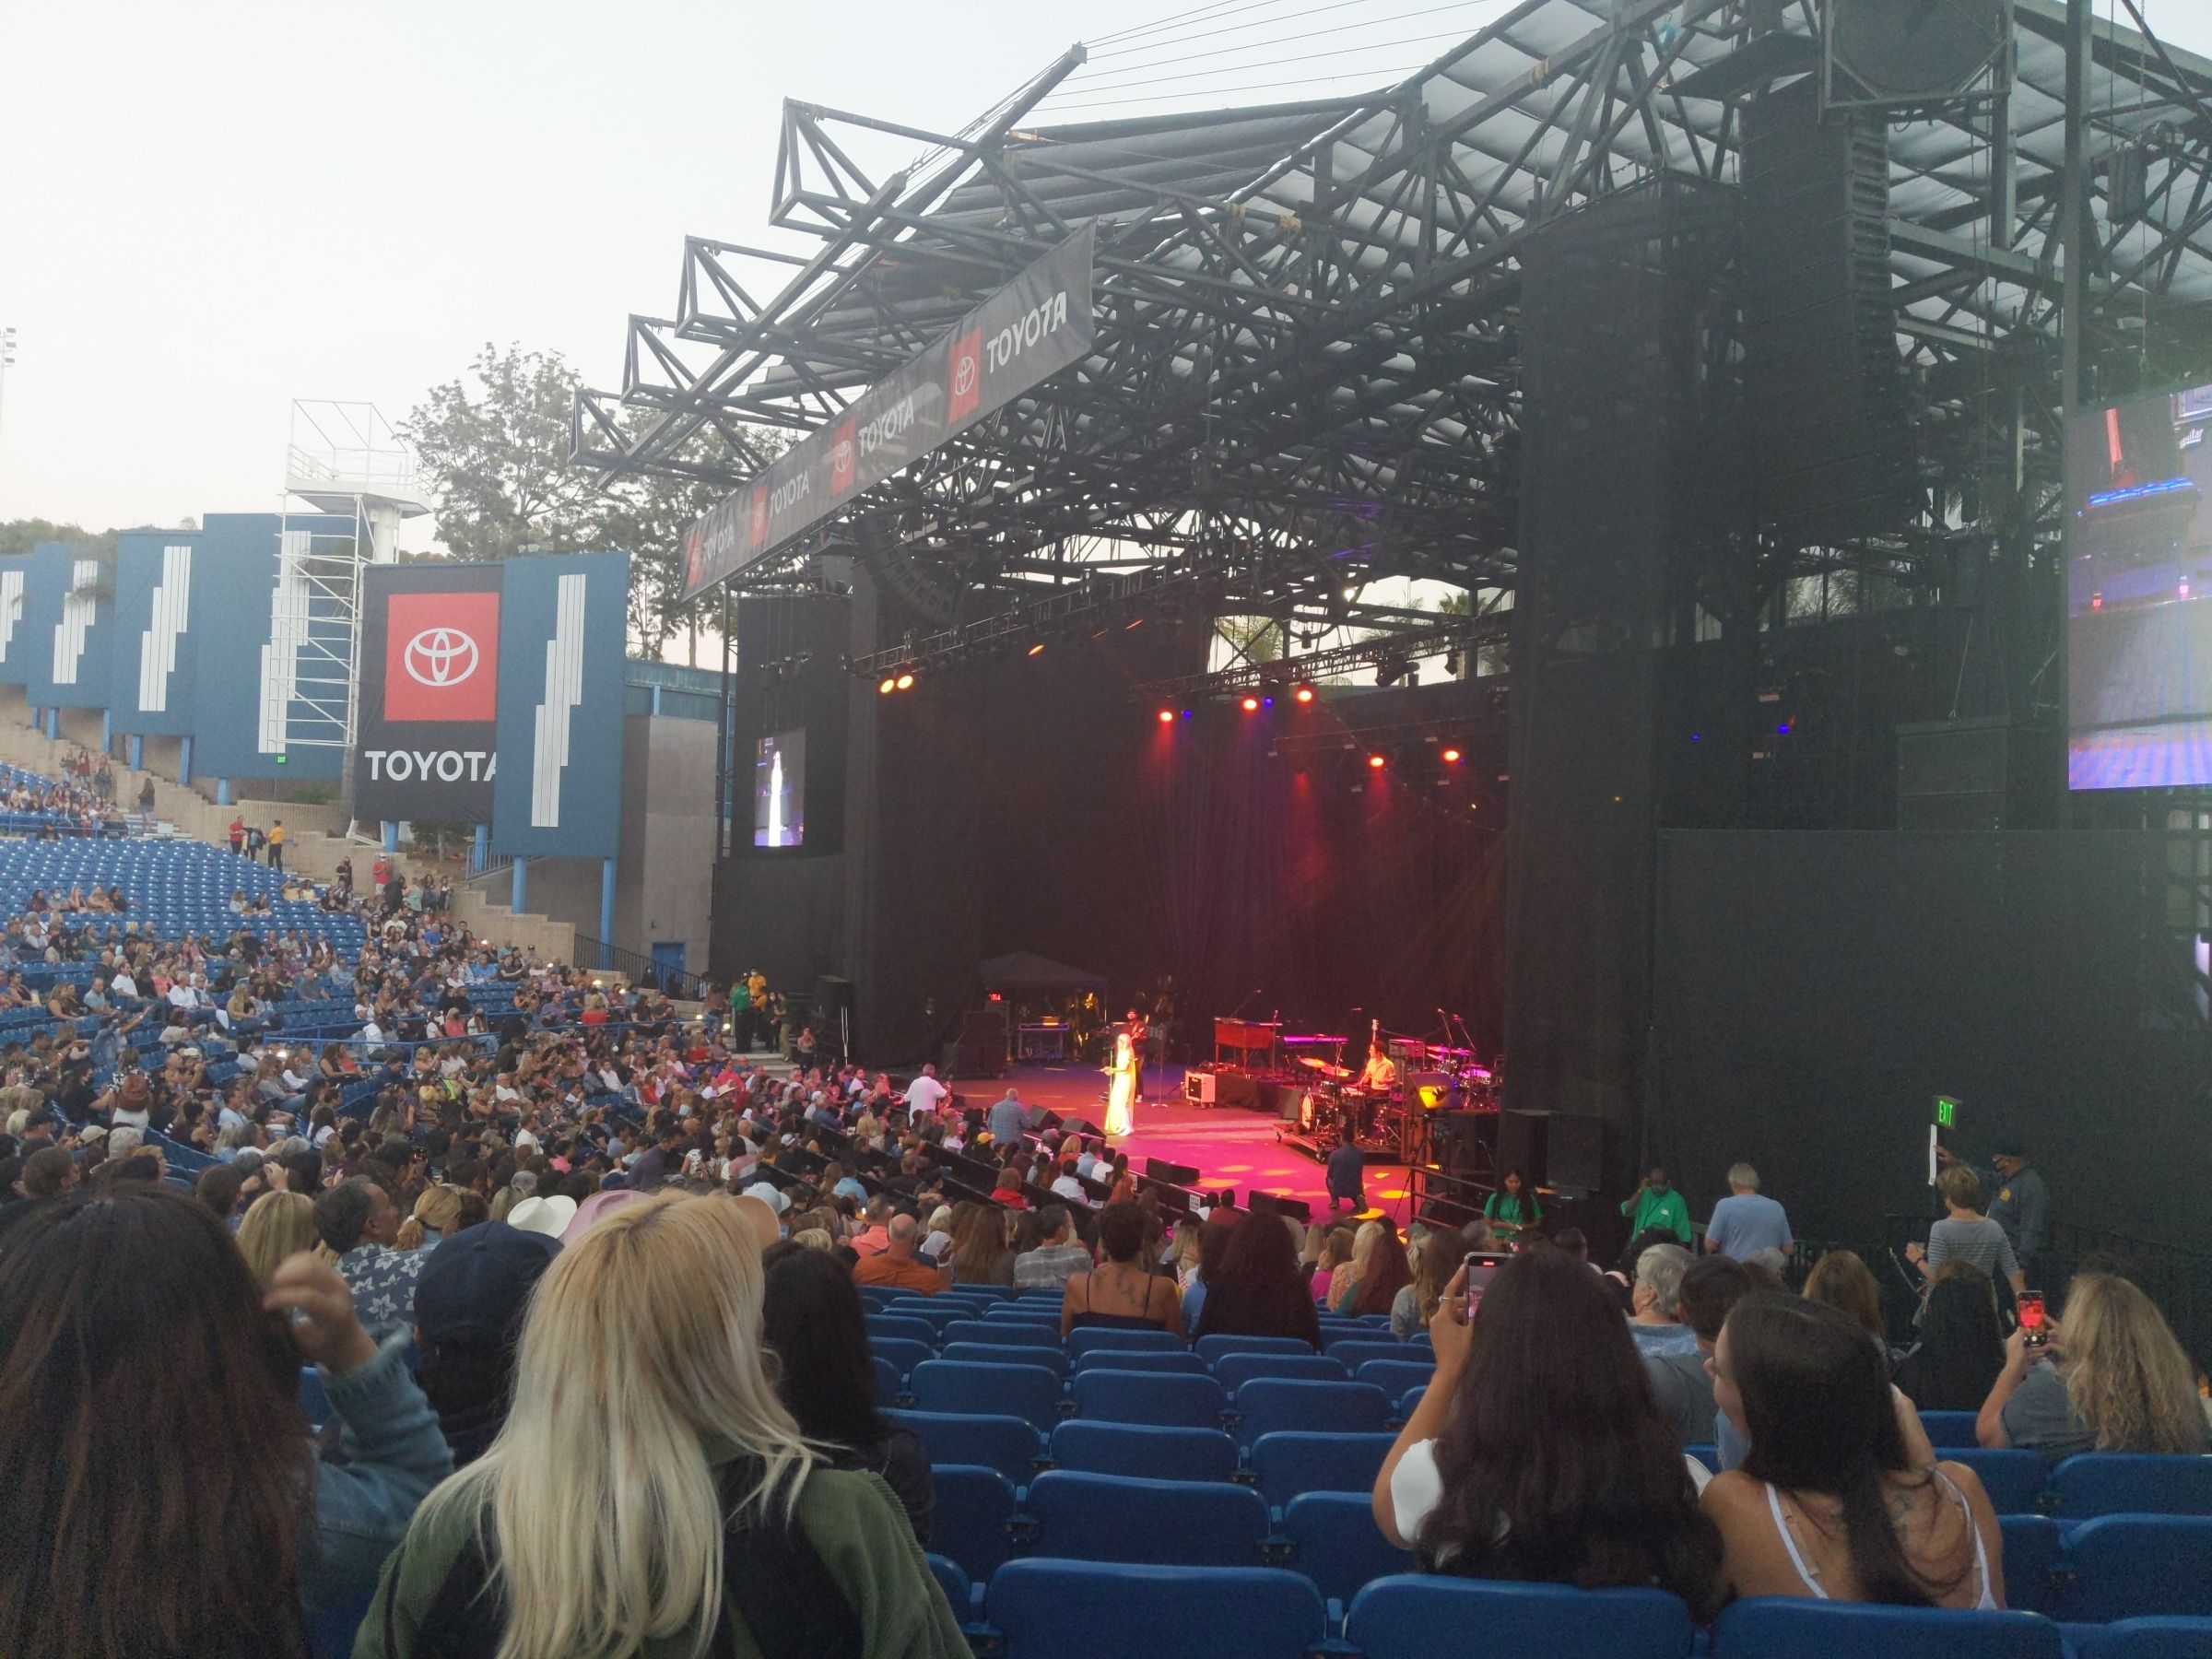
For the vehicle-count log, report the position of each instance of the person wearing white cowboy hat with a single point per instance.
(548, 1217)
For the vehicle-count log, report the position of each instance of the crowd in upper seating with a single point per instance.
(579, 1280)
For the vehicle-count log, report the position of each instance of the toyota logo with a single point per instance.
(439, 657)
(963, 376)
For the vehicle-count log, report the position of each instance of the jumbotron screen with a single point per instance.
(2139, 594)
(780, 791)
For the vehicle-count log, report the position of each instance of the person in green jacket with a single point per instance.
(1654, 1204)
(650, 1494)
(1512, 1208)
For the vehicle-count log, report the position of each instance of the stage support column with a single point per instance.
(480, 854)
(137, 753)
(606, 912)
(222, 791)
(184, 761)
(53, 725)
(107, 731)
(656, 699)
(390, 835)
(519, 899)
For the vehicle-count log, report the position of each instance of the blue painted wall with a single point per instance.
(14, 646)
(577, 813)
(235, 601)
(68, 625)
(160, 596)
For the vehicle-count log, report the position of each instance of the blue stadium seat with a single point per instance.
(2133, 1566)
(2115, 1483)
(1233, 1371)
(1292, 1462)
(999, 1353)
(973, 1517)
(2143, 1638)
(1001, 1332)
(938, 1317)
(1950, 1428)
(1356, 1351)
(1801, 1628)
(1025, 1391)
(1420, 1617)
(1040, 1312)
(904, 1352)
(911, 1330)
(1054, 1610)
(1088, 1341)
(1158, 1522)
(1211, 1349)
(2031, 1547)
(331, 1630)
(888, 1384)
(1006, 1444)
(1143, 1451)
(1394, 1377)
(1335, 1542)
(954, 1581)
(1183, 1362)
(1267, 1405)
(2012, 1478)
(1412, 1398)
(1170, 1402)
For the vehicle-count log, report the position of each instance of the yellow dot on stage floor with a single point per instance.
(1394, 1192)
(1235, 1169)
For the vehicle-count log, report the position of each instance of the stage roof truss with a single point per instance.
(1307, 312)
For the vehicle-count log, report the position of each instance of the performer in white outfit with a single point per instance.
(1121, 1093)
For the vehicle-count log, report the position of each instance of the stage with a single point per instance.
(1230, 1146)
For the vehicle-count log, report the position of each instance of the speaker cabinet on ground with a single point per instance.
(1565, 1150)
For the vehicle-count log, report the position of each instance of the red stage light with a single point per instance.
(1451, 756)
(1167, 717)
(1375, 760)
(1304, 694)
(1251, 705)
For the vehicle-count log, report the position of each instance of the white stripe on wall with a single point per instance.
(158, 644)
(288, 633)
(77, 606)
(11, 608)
(564, 690)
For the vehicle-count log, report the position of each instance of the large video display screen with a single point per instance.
(780, 791)
(2139, 593)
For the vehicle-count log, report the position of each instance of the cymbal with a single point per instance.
(1324, 1067)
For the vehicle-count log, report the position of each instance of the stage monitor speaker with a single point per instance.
(1825, 392)
(1199, 1087)
(1574, 1153)
(1075, 1125)
(1953, 775)
(1042, 1118)
(1175, 1175)
(1260, 1204)
(1909, 52)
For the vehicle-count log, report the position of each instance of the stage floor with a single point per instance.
(1230, 1146)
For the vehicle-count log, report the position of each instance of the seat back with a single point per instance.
(1212, 1348)
(998, 1353)
(887, 1383)
(1335, 1542)
(904, 1352)
(1420, 1617)
(1292, 1462)
(1950, 1428)
(1139, 1397)
(1394, 1377)
(970, 1522)
(2032, 1546)
(1183, 1364)
(1027, 1391)
(2133, 1483)
(1007, 1445)
(2136, 1566)
(2143, 1638)
(1141, 1450)
(903, 1327)
(1233, 1371)
(954, 1581)
(1268, 1404)
(1088, 1341)
(2012, 1478)
(1353, 1352)
(1804, 1628)
(1057, 1609)
(1163, 1523)
(1005, 1333)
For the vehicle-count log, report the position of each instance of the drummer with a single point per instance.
(1378, 1074)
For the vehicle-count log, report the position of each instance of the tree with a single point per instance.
(20, 535)
(494, 455)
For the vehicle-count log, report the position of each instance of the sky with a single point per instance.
(210, 210)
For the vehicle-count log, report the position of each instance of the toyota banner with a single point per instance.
(427, 730)
(1026, 332)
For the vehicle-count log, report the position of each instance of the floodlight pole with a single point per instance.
(2073, 207)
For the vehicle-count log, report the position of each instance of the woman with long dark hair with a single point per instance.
(1538, 1452)
(1258, 1291)
(1829, 1503)
(123, 1312)
(1962, 1348)
(814, 1322)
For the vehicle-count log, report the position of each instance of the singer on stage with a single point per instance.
(1121, 1093)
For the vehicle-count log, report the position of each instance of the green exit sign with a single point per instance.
(1947, 1112)
(281, 759)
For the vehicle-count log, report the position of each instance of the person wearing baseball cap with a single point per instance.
(469, 1313)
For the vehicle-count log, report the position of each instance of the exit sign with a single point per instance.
(1947, 1112)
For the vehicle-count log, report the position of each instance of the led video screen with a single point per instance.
(2138, 578)
(780, 791)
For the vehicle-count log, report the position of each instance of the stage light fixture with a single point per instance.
(1133, 622)
(1038, 649)
(905, 682)
(1451, 756)
(888, 685)
(1251, 705)
(1167, 717)
(1377, 761)
(1304, 694)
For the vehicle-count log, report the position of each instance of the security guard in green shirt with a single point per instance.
(1656, 1204)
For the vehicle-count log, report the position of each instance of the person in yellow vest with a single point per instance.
(276, 845)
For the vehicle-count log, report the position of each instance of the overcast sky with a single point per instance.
(207, 210)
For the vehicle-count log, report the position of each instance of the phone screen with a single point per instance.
(2031, 1316)
(1481, 1266)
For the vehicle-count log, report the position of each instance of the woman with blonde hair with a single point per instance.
(650, 1493)
(2112, 1379)
(278, 1225)
(437, 1213)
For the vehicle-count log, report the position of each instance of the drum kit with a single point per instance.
(1435, 1080)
